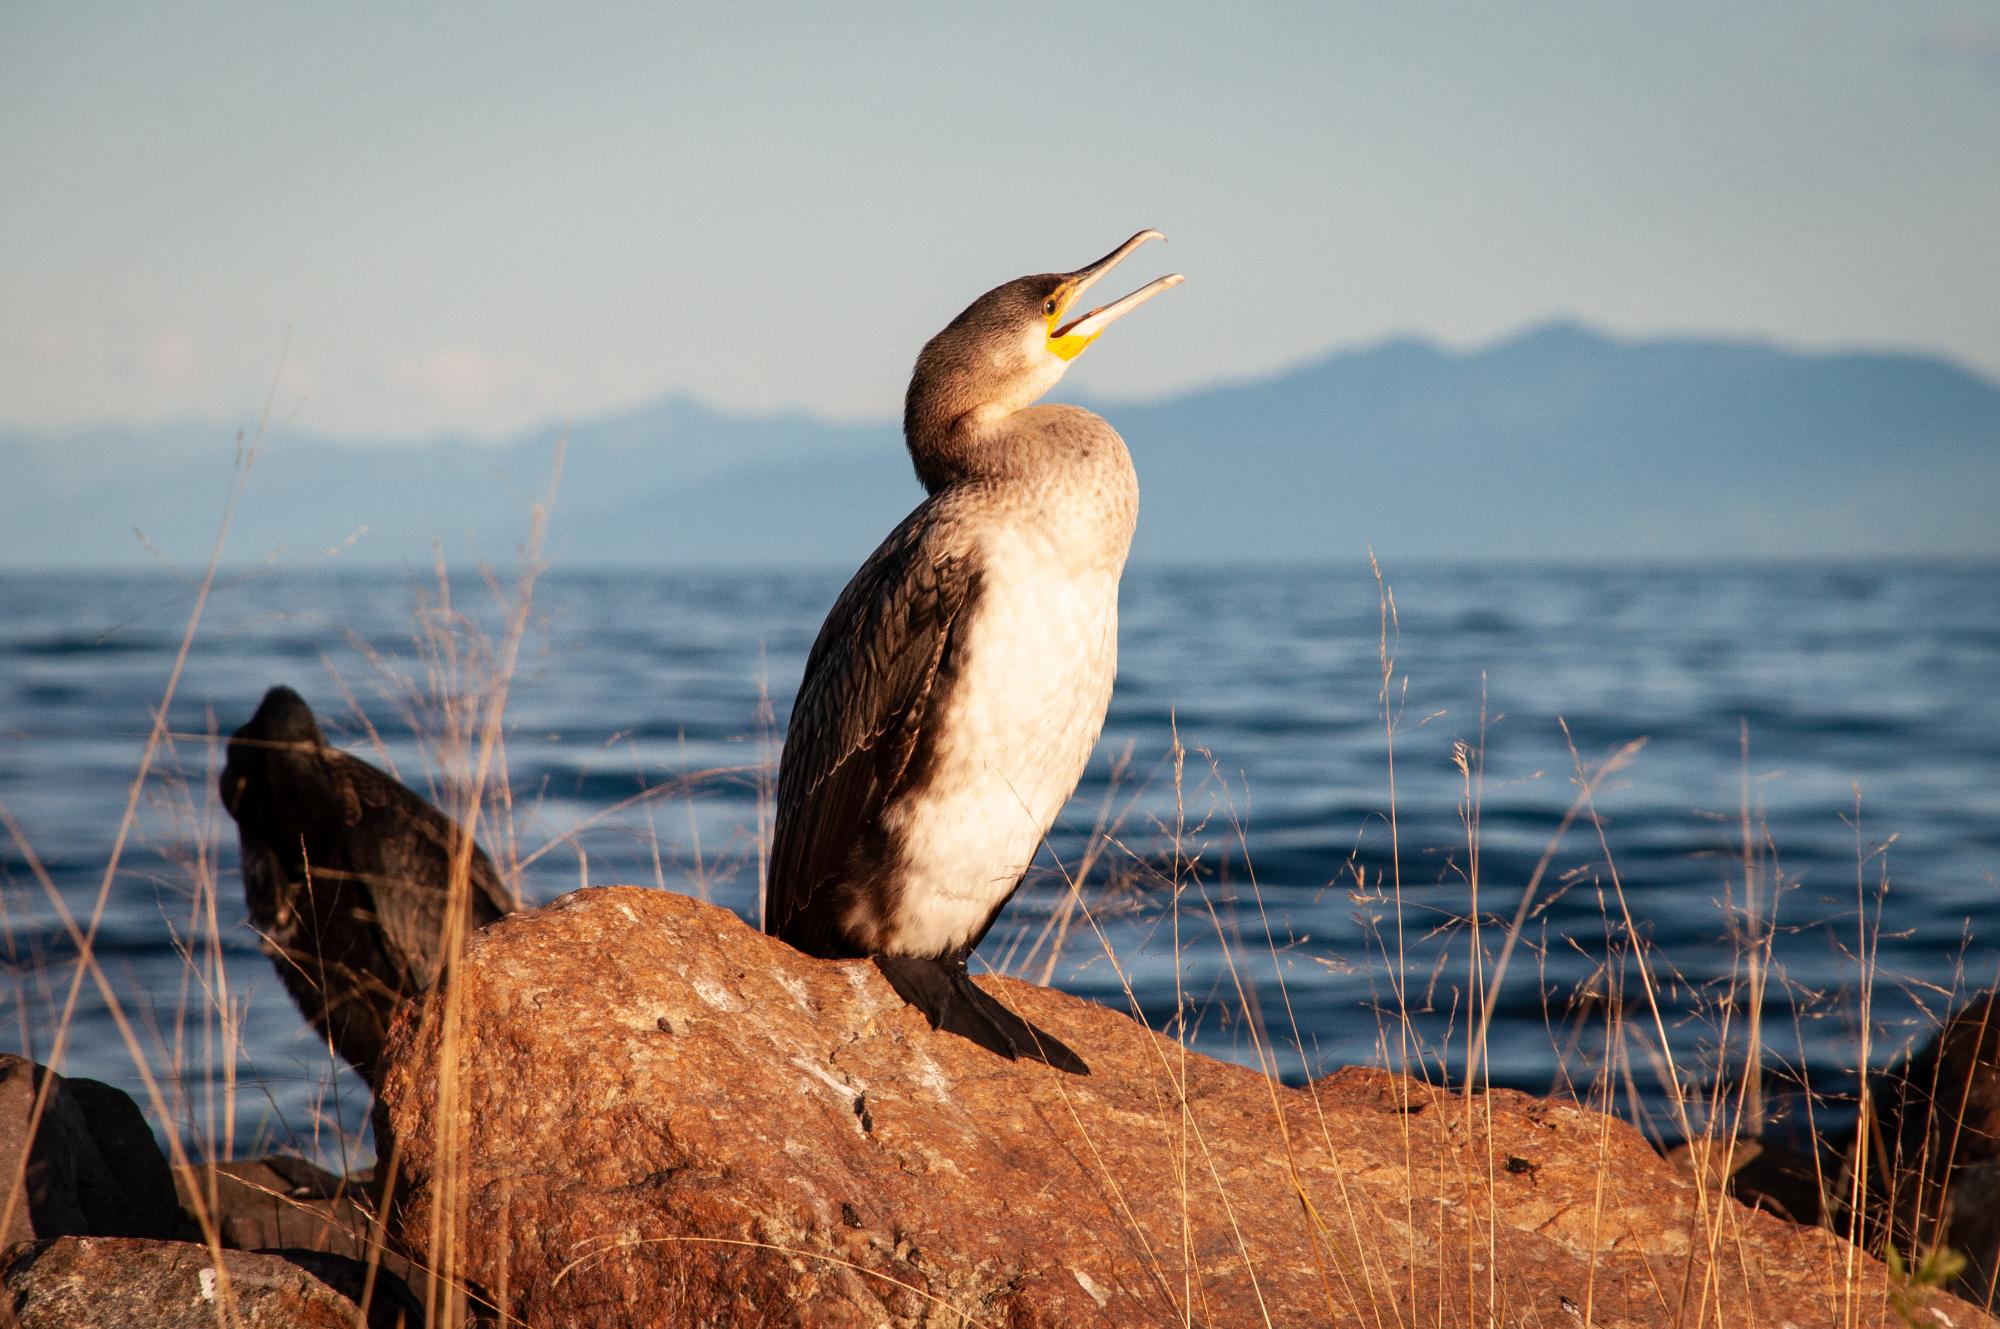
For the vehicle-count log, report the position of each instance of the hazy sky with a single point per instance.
(478, 217)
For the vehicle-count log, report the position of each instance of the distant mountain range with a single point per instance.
(1559, 443)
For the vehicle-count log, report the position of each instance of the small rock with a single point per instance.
(93, 1167)
(264, 1203)
(97, 1282)
(1771, 1175)
(1933, 1167)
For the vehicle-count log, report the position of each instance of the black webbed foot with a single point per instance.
(951, 1001)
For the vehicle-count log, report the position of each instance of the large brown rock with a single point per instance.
(651, 1114)
(87, 1166)
(100, 1282)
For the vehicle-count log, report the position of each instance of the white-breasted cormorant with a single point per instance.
(347, 874)
(959, 682)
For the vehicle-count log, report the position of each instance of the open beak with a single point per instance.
(1097, 320)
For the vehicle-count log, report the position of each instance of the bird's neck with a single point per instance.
(951, 448)
(955, 434)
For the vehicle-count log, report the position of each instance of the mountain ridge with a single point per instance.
(1558, 442)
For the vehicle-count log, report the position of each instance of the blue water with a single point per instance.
(643, 721)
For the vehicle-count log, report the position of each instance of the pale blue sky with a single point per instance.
(476, 218)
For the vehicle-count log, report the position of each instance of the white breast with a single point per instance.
(1021, 720)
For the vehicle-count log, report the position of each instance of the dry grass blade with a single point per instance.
(84, 937)
(795, 1252)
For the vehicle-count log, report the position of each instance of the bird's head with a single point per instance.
(282, 730)
(1013, 343)
(283, 717)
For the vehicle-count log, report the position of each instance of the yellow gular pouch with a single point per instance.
(1068, 347)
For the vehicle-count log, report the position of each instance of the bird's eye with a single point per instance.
(1049, 308)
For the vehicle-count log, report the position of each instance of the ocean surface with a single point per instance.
(1320, 877)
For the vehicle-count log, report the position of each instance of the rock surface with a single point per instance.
(117, 1248)
(92, 1166)
(97, 1282)
(652, 1114)
(266, 1203)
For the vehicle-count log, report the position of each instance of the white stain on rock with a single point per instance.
(1089, 1284)
(716, 995)
(841, 1089)
(798, 991)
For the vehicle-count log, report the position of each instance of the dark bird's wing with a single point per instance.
(398, 852)
(876, 678)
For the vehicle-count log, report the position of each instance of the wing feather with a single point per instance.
(874, 684)
(399, 849)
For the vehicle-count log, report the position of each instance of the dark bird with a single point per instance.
(348, 876)
(960, 681)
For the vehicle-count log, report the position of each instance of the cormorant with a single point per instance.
(959, 682)
(347, 874)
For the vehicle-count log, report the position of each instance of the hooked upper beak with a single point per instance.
(1097, 320)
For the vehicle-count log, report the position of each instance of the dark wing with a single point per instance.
(398, 851)
(874, 680)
